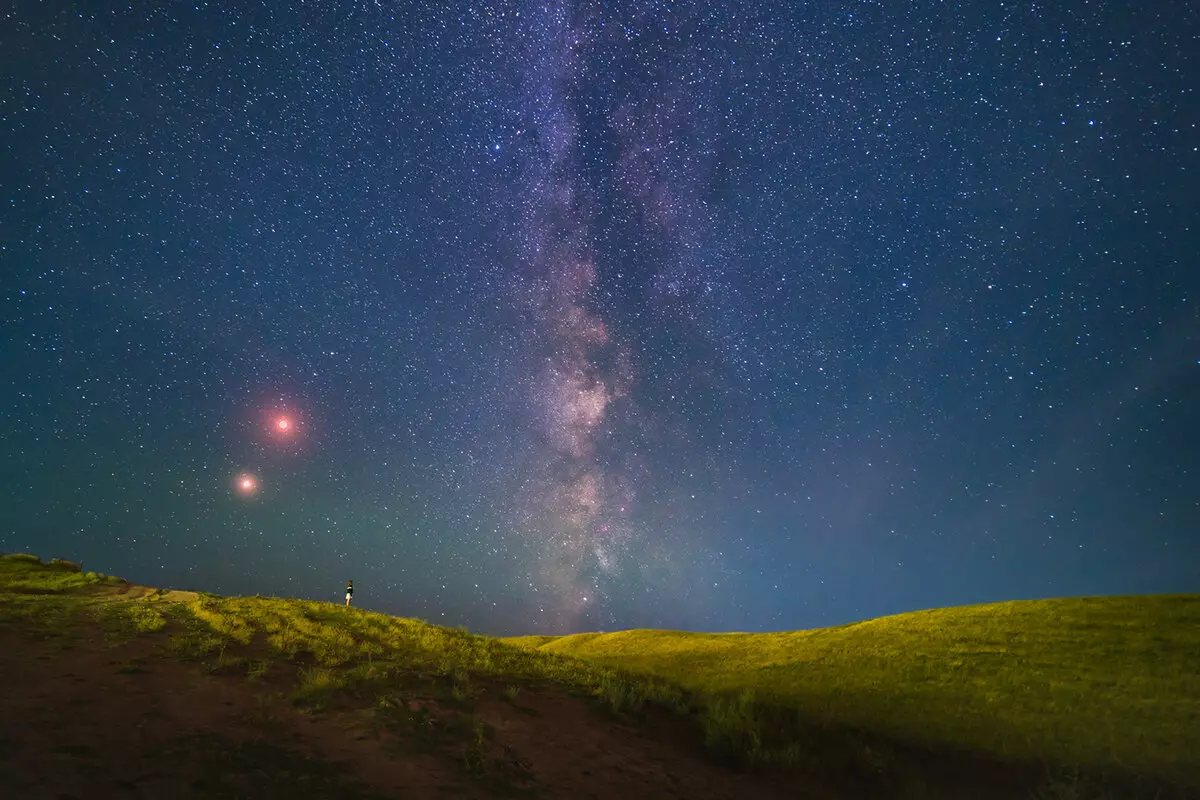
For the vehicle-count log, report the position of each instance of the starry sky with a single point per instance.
(549, 317)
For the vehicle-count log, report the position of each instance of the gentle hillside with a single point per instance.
(1093, 682)
(113, 690)
(119, 690)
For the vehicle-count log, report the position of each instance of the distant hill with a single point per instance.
(1093, 682)
(112, 689)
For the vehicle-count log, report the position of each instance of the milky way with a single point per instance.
(548, 317)
(574, 503)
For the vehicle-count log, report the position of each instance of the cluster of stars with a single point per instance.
(615, 315)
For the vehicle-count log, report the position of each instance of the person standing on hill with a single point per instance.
(349, 591)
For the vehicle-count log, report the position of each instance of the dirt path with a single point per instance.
(81, 719)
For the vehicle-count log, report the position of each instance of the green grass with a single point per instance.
(50, 599)
(20, 572)
(1082, 689)
(352, 648)
(125, 620)
(1098, 683)
(39, 600)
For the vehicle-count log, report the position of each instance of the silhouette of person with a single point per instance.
(349, 591)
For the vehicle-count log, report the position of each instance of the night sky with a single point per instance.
(597, 315)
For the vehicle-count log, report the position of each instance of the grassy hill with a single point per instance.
(1095, 682)
(117, 690)
(186, 694)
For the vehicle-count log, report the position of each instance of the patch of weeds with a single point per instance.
(460, 686)
(512, 692)
(489, 766)
(666, 694)
(424, 721)
(257, 669)
(317, 685)
(732, 727)
(411, 721)
(145, 617)
(125, 620)
(193, 645)
(266, 713)
(621, 695)
(196, 641)
(367, 678)
(43, 618)
(226, 663)
(474, 754)
(221, 621)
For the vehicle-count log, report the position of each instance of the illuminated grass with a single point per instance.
(35, 599)
(1093, 682)
(125, 620)
(20, 572)
(366, 649)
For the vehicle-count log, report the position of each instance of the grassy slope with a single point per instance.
(338, 647)
(419, 686)
(1109, 682)
(334, 648)
(324, 657)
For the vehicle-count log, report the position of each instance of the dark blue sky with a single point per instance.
(604, 315)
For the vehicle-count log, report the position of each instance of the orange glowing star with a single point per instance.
(283, 424)
(246, 484)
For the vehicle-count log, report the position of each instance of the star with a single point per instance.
(246, 484)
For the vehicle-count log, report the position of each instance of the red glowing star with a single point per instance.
(246, 484)
(283, 424)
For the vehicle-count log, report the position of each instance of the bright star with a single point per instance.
(246, 484)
